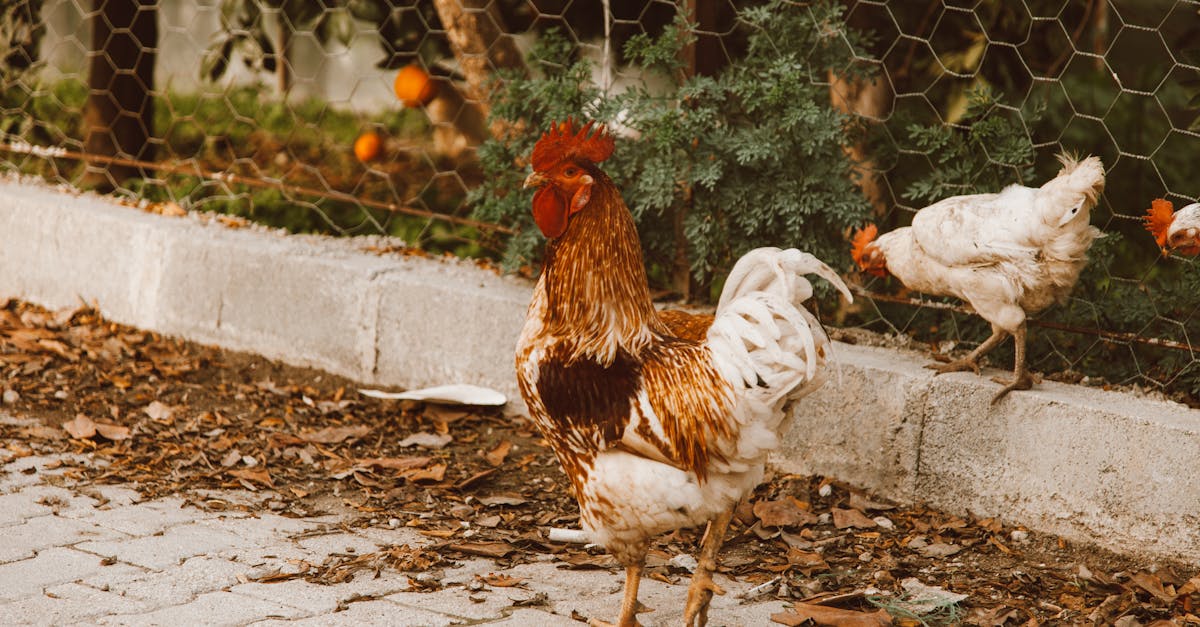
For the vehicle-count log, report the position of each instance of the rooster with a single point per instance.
(1009, 255)
(1175, 230)
(660, 420)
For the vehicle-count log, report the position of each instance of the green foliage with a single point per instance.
(986, 151)
(751, 157)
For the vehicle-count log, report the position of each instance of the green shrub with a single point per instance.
(751, 157)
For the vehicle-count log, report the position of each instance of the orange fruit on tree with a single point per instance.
(413, 86)
(368, 146)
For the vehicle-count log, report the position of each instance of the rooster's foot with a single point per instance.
(958, 365)
(598, 622)
(1022, 382)
(641, 609)
(700, 594)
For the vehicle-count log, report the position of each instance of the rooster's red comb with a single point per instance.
(562, 141)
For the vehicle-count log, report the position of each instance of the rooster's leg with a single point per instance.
(1021, 379)
(971, 361)
(701, 591)
(630, 605)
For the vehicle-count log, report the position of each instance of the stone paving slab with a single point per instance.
(23, 541)
(109, 558)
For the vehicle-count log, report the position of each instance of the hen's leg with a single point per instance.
(1021, 379)
(630, 605)
(701, 591)
(971, 361)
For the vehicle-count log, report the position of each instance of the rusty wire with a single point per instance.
(1116, 336)
(263, 183)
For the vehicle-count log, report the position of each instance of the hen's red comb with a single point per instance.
(1158, 220)
(562, 141)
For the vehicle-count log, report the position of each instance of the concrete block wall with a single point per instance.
(1106, 468)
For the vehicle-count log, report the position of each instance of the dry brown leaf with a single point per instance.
(782, 513)
(394, 463)
(939, 549)
(486, 549)
(424, 439)
(433, 473)
(333, 435)
(112, 432)
(502, 499)
(232, 457)
(500, 580)
(158, 411)
(861, 502)
(254, 475)
(844, 518)
(1152, 584)
(580, 560)
(807, 561)
(831, 617)
(995, 617)
(496, 456)
(81, 427)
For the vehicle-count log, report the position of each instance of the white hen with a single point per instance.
(1008, 255)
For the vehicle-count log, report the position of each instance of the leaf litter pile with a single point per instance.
(170, 417)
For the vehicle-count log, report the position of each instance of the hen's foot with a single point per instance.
(958, 365)
(700, 594)
(1024, 381)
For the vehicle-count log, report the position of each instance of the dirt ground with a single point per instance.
(171, 417)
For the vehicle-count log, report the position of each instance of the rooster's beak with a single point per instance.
(534, 180)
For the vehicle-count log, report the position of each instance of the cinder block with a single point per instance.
(61, 251)
(445, 323)
(864, 424)
(1093, 466)
(267, 294)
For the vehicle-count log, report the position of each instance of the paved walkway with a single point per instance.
(100, 555)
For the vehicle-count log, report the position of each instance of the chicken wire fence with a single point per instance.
(744, 123)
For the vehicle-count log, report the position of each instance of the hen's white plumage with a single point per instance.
(1008, 254)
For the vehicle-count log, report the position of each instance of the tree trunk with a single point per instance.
(702, 57)
(870, 101)
(458, 125)
(283, 69)
(118, 118)
(478, 37)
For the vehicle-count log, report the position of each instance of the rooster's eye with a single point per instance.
(571, 172)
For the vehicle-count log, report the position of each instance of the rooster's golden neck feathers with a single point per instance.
(595, 276)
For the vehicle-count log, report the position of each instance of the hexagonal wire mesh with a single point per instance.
(286, 112)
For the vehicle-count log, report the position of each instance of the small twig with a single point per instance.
(761, 589)
(827, 599)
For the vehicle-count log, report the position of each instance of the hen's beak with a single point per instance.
(534, 180)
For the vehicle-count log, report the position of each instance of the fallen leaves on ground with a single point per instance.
(803, 613)
(173, 418)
